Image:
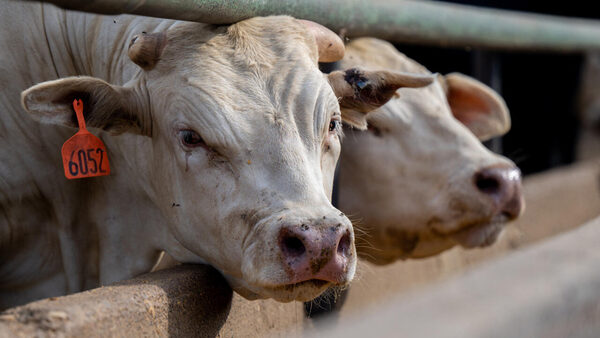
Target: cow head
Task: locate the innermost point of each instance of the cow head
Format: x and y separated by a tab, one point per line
419	180
236	141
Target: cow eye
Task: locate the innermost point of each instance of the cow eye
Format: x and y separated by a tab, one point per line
334	125
376	131
190	138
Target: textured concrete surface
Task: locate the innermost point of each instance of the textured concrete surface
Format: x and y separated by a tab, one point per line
551	289
188	300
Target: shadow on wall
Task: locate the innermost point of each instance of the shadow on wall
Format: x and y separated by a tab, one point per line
199	310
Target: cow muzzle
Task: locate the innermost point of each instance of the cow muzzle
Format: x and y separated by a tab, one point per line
502	185
322	252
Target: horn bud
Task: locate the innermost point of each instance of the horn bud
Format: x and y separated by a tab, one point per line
330	45
145	49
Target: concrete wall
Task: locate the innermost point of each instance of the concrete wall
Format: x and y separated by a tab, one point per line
188	300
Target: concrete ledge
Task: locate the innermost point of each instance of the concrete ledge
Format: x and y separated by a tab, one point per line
188	300
548	290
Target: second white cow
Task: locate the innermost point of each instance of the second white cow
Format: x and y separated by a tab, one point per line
419	181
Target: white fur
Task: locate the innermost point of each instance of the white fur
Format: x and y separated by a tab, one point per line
409	185
254	93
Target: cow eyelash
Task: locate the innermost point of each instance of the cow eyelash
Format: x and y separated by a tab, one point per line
376	131
191	139
335	125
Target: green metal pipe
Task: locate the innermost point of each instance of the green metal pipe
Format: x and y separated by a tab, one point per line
424	22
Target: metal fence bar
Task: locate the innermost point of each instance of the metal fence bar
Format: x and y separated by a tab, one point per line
421	21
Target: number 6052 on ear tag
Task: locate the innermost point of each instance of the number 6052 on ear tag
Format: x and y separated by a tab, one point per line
84	155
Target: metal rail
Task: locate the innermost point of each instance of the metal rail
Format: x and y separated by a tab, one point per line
423	22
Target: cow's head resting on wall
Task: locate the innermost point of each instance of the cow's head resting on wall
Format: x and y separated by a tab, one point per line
242	131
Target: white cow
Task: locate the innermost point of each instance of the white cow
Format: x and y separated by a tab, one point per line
222	146
419	181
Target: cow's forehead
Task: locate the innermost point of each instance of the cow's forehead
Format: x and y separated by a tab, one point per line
294	103
263	60
258	44
262	70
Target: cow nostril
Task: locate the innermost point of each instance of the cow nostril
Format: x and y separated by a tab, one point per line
487	184
293	246
344	245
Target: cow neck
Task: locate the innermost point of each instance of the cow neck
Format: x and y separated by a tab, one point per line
95	45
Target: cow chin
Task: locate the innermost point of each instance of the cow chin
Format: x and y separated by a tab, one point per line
393	244
389	248
480	234
302	291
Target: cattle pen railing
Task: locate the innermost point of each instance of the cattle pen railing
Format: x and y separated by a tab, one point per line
190	300
421	21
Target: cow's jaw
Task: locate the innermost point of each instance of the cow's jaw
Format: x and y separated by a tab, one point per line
480	235
302	291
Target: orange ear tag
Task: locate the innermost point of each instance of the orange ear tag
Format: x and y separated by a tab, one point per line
84	155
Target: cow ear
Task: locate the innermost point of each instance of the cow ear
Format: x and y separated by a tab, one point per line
477	106
105	106
361	91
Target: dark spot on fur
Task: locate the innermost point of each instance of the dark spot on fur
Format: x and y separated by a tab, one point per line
356	79
369	93
175	205
318	263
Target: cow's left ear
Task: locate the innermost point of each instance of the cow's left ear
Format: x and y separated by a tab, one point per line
477	106
360	91
105	106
